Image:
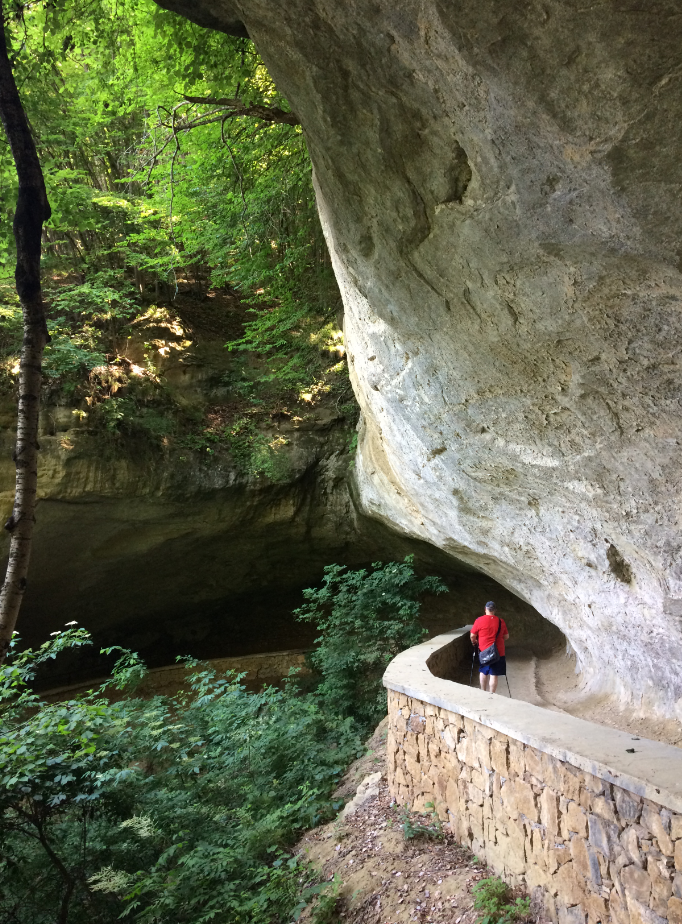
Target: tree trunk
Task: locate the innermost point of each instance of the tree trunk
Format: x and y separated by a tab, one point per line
31	212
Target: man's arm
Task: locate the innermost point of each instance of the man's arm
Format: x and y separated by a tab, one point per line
474	639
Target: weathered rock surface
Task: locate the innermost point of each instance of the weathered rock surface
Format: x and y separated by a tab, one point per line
500	186
168	555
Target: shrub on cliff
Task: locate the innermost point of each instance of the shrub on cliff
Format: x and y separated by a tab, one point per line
365	619
178	808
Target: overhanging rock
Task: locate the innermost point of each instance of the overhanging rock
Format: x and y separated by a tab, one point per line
500	188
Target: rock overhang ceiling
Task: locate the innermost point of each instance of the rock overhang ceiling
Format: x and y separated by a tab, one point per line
500	188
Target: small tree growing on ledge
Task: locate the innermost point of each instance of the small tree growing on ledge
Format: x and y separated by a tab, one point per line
32	211
365	619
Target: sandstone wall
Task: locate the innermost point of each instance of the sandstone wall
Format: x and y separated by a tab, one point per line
499	183
587	849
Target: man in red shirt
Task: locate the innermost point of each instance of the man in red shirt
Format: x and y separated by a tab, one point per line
486	630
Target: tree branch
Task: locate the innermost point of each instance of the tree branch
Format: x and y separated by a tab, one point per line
252	110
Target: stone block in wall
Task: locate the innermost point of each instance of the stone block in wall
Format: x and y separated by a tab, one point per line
482	749
466	751
549	811
452	796
585	799
413	769
452	718
568	885
637	883
536	876
605	808
674	911
518	797
602	835
573	818
475	814
474	794
480	780
556	855
661	884
642	914
678	855
533	761
411	746
618	909
498	756
448	738
504	856
469	726
629	805
516	832
550	909
390	756
517	759
573	915
676	827
630	844
597	909
423	802
538	840
677	885
552	773
595	784
586	860
570	782
653	822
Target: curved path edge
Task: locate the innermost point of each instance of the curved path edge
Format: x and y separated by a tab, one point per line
653	771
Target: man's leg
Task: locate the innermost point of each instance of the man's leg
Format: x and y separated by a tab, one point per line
493	683
484	682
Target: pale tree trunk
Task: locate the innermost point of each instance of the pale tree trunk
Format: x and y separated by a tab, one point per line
32	210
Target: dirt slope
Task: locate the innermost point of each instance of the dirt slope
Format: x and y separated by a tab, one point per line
384	877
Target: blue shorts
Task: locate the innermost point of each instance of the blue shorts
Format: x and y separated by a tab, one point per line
498	669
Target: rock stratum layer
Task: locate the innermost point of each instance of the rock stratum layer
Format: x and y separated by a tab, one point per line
500	187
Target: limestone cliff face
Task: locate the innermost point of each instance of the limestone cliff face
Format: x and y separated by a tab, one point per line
167	553
500	187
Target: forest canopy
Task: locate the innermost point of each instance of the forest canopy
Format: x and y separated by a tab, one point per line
173	167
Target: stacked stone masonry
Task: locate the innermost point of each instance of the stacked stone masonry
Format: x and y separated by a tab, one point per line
586	850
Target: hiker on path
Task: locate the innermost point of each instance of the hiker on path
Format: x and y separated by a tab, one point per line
486	631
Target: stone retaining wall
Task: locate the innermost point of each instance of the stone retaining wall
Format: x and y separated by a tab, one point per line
586	849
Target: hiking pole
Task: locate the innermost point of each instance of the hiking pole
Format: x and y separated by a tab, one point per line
473	658
507	679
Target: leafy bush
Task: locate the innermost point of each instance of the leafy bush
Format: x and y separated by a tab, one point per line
181	808
493	898
170	809
365	618
412	829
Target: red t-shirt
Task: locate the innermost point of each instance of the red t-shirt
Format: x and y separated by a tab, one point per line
490	629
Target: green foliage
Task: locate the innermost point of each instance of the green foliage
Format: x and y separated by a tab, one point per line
325	907
146	185
412	828
493	899
171	809
365	618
